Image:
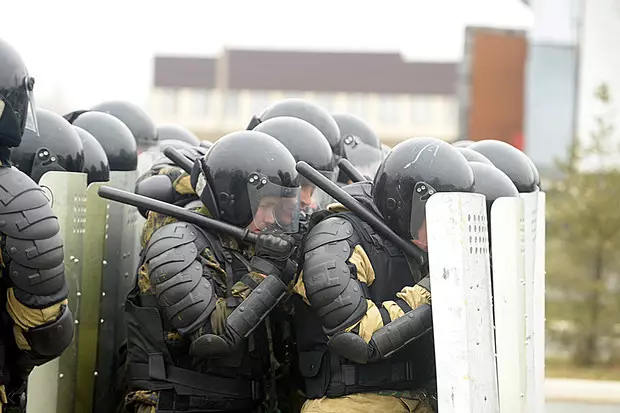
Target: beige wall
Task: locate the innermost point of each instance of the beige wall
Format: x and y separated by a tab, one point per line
213	113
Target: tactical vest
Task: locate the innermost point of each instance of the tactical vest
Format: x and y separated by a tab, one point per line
331	375
185	383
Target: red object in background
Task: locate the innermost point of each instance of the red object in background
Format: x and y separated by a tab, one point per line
491	84
518	142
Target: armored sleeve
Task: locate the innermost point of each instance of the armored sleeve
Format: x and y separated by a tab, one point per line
175	270
335	278
34	259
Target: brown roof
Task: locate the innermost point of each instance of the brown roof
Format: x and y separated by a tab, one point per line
190	72
382	73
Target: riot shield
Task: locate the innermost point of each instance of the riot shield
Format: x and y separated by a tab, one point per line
534	222
120	263
90	319
508	253
147	158
52	386
462	304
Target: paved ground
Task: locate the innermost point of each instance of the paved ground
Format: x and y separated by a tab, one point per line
581	408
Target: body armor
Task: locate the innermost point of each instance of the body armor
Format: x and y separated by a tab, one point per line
329	374
185	295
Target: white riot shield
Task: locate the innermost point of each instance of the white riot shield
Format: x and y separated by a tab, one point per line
534	216
462	308
534	302
90	318
508	259
119	273
52	386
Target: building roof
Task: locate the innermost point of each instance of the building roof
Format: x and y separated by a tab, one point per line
382	73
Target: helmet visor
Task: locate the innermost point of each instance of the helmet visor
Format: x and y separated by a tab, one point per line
315	199
31	118
274	207
417	228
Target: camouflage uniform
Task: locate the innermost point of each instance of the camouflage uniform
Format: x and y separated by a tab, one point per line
417	399
142	401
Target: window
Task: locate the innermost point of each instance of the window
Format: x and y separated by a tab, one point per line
390	109
325	100
201	103
259	101
169	102
231	105
420	113
357	105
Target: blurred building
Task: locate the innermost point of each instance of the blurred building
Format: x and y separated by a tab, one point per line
216	95
491	84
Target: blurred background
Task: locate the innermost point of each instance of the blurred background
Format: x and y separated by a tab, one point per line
543	75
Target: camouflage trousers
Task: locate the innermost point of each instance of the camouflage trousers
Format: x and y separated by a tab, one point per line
141	401
369	402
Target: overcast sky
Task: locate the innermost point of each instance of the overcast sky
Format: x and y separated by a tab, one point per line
86	51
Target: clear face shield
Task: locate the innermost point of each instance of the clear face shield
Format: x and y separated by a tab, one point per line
417	223
365	158
275	208
314	199
31	114
21	101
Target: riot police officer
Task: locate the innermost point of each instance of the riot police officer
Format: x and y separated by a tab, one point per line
305	143
195	338
40	326
365	305
308	111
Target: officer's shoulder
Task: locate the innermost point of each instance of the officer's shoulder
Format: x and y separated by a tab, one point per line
19	193
333	228
171	235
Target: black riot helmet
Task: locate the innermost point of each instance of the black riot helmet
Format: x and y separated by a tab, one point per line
308	111
259	189
95	160
360	145
306	143
177	132
353	126
191	152
509	160
492	183
473	156
114	136
413	171
463	143
17	109
139	123
57	147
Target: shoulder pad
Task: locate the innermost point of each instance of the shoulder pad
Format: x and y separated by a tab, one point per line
18	192
157	187
328	231
172	249
170	236
333	292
